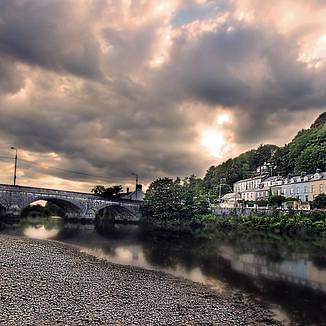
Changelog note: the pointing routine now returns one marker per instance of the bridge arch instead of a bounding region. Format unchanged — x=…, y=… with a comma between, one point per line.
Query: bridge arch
x=70, y=207
x=116, y=212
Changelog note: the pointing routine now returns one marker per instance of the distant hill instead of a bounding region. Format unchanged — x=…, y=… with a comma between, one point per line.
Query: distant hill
x=306, y=152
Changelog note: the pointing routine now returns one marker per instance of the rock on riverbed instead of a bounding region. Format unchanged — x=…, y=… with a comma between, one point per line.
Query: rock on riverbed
x=48, y=283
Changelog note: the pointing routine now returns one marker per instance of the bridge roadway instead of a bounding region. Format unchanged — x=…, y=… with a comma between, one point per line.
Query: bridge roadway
x=83, y=205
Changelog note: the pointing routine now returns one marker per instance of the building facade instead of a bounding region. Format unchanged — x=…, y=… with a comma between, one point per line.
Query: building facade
x=317, y=185
x=247, y=188
x=304, y=188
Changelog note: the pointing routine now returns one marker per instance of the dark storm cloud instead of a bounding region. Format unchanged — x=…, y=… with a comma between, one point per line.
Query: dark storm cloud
x=10, y=77
x=252, y=71
x=48, y=34
x=90, y=96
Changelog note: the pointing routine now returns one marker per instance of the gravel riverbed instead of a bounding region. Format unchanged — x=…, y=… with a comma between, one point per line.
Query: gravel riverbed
x=49, y=283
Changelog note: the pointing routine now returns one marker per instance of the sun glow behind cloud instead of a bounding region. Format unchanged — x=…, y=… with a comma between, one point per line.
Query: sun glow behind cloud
x=162, y=87
x=213, y=141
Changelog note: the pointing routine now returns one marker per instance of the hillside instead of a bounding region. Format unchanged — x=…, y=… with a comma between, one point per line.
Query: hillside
x=240, y=167
x=306, y=152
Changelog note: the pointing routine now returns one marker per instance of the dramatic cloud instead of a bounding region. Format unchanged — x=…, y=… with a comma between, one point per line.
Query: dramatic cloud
x=108, y=88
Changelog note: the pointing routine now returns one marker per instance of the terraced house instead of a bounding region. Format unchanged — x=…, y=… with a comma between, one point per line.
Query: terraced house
x=317, y=185
x=303, y=187
x=248, y=188
x=296, y=187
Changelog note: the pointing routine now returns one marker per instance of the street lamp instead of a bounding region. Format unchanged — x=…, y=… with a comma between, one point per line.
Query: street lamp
x=15, y=171
x=136, y=175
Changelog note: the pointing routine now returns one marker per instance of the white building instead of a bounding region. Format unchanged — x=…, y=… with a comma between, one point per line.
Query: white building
x=229, y=200
x=248, y=188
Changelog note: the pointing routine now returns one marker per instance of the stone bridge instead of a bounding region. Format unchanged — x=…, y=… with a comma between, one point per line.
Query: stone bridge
x=76, y=204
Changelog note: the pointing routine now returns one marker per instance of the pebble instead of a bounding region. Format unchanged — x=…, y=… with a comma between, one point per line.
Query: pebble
x=50, y=283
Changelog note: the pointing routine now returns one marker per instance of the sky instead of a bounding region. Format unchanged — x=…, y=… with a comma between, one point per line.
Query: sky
x=108, y=88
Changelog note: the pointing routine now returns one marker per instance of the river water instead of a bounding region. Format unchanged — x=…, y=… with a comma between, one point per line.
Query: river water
x=288, y=274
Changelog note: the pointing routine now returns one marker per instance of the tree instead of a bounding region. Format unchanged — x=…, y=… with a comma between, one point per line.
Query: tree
x=195, y=198
x=163, y=199
x=107, y=192
x=276, y=200
x=168, y=199
x=320, y=201
x=98, y=190
x=117, y=190
x=240, y=167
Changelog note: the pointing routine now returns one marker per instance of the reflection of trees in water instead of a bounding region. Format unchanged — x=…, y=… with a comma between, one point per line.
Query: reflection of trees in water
x=48, y=223
x=301, y=303
x=275, y=248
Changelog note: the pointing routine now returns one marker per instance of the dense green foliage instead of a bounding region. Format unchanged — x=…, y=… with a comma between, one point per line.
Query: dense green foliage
x=276, y=201
x=306, y=152
x=320, y=201
x=49, y=209
x=238, y=168
x=168, y=199
x=314, y=223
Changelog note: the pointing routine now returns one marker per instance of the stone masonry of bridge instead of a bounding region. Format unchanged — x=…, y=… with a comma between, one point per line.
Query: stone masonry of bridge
x=83, y=205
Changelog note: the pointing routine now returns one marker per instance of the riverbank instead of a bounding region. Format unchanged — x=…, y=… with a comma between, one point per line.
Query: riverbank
x=313, y=224
x=48, y=283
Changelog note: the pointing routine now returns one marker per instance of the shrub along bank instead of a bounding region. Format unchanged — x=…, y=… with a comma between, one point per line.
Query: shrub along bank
x=183, y=207
x=312, y=224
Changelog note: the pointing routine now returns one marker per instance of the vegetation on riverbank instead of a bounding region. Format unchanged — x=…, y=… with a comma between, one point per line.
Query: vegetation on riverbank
x=312, y=224
x=183, y=207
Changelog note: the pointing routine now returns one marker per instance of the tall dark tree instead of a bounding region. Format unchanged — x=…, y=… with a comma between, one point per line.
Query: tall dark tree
x=98, y=190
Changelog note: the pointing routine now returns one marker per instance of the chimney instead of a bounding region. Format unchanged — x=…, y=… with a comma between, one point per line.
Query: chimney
x=127, y=190
x=140, y=187
x=318, y=171
x=303, y=174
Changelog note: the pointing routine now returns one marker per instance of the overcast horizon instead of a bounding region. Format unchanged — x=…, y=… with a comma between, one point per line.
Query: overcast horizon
x=158, y=88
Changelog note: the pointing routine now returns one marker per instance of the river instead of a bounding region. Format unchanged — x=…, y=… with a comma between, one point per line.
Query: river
x=288, y=274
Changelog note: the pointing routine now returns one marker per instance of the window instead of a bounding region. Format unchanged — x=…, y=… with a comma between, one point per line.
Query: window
x=321, y=188
x=312, y=189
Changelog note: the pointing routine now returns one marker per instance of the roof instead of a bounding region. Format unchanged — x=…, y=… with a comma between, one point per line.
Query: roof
x=252, y=178
x=230, y=195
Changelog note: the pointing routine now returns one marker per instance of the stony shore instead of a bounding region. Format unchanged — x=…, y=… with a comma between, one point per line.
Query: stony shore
x=49, y=283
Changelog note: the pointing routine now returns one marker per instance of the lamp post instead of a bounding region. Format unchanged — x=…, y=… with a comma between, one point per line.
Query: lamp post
x=136, y=175
x=15, y=170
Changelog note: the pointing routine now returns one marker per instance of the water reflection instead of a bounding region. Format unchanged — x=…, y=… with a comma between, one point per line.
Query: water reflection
x=287, y=273
x=299, y=271
x=40, y=232
x=41, y=228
